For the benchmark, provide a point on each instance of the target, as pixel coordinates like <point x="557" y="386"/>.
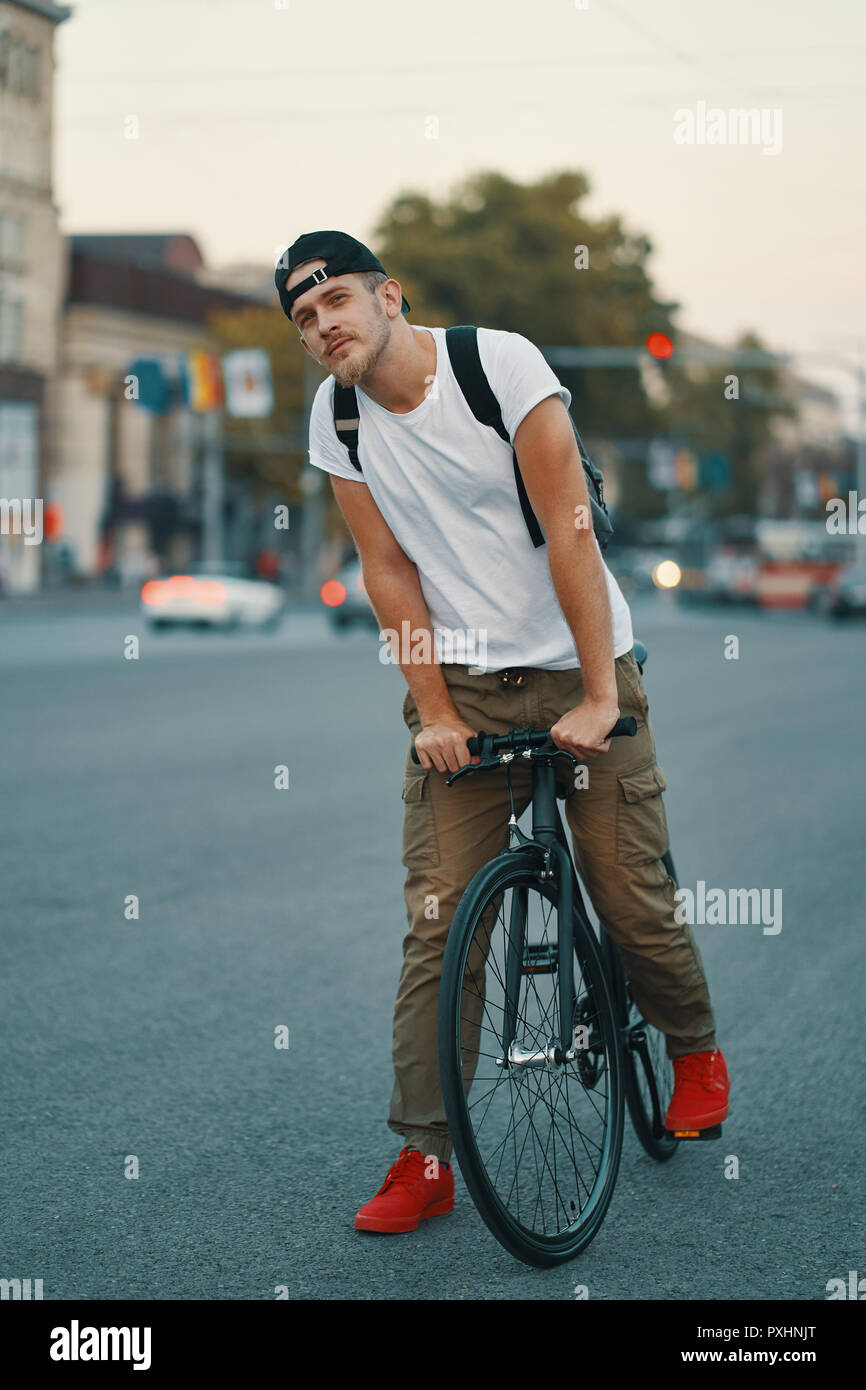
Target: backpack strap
<point x="462" y="344"/>
<point x="347" y="420"/>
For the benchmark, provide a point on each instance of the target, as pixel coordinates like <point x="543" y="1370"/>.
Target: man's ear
<point x="394" y="297"/>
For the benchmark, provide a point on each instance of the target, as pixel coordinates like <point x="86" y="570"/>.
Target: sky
<point x="262" y="119"/>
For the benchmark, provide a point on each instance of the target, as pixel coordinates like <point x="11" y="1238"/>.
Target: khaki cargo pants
<point x="619" y="833"/>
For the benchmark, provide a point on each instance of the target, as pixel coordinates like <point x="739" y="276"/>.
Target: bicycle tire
<point x="519" y="869"/>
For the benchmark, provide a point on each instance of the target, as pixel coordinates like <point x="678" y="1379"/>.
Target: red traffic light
<point x="659" y="345"/>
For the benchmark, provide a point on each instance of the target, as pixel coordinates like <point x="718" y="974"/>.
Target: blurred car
<point x="843" y="596"/>
<point x="732" y="576"/>
<point x="346" y="599"/>
<point x="728" y="575"/>
<point x="206" y="595"/>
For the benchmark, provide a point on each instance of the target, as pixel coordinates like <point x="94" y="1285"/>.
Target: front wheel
<point x="537" y="1134"/>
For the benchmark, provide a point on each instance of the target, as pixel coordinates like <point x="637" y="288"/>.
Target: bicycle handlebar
<point x="520" y="740"/>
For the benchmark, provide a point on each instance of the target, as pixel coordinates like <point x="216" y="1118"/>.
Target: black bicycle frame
<point x="548" y="834"/>
<point x="547" y="831"/>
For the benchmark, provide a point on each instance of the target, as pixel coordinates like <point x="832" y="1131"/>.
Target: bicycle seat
<point x="640" y="652"/>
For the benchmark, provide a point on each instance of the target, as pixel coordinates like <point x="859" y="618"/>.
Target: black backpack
<point x="462" y="345"/>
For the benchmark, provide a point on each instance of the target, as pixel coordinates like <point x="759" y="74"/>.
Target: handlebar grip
<point x="623" y="728"/>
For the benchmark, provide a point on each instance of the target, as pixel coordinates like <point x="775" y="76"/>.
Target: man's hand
<point x="442" y="744"/>
<point x="584" y="729"/>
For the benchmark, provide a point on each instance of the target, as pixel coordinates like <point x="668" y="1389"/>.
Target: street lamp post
<point x="213" y="471"/>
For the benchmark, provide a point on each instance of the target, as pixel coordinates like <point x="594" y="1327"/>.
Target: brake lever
<point x="566" y="754"/>
<point x="502" y="759"/>
<point x="471" y="767"/>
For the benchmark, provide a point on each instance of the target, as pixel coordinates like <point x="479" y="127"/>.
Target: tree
<point x="503" y="255"/>
<point x="734" y="419"/>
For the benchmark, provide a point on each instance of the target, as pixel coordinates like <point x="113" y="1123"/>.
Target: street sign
<point x="249" y="390"/>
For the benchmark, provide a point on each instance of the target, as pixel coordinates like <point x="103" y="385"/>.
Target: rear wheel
<point x="537" y="1136"/>
<point x="648" y="1070"/>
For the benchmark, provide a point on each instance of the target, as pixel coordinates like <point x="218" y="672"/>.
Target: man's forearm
<point x="397" y="599"/>
<point x="579" y="580"/>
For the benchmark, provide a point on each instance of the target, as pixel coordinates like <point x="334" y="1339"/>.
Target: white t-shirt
<point x="445" y="485"/>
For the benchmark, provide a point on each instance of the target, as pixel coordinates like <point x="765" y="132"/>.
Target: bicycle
<point x="536" y="1016"/>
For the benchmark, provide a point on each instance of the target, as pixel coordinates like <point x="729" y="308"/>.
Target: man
<point x="444" y="546"/>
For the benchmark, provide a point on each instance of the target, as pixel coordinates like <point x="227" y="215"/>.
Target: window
<point x="11" y="316"/>
<point x="19" y="65"/>
<point x="15" y="238"/>
<point x="11" y="237"/>
<point x="19" y="434"/>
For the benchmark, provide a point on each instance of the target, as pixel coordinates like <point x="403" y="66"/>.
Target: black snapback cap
<point x="342" y="254"/>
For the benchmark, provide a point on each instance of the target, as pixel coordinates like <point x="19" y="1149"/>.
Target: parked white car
<point x="218" y="596"/>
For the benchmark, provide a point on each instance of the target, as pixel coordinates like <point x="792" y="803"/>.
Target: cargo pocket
<point x="631" y="678"/>
<point x="420" y="844"/>
<point x="641" y="823"/>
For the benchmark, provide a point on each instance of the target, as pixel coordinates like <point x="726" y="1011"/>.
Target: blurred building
<point x="31" y="276"/>
<point x="247" y="277"/>
<point x="819" y="422"/>
<point x="807" y="457"/>
<point x="128" y="472"/>
<point x="810" y="459"/>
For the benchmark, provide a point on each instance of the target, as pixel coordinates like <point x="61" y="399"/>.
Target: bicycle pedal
<point x="539" y="959"/>
<point x="714" y="1132"/>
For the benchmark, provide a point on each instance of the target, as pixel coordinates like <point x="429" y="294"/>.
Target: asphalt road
<point x="261" y="908"/>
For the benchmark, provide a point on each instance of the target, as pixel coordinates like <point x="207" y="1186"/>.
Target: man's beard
<point x="364" y="358"/>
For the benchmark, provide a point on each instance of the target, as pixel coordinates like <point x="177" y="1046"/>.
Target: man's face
<point x="342" y="325"/>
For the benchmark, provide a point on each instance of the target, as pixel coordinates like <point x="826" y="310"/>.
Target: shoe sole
<point x="396" y="1225"/>
<point x="712" y="1117"/>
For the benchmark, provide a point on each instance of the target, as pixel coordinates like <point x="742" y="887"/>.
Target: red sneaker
<point x="701" y="1090"/>
<point x="415" y="1188"/>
